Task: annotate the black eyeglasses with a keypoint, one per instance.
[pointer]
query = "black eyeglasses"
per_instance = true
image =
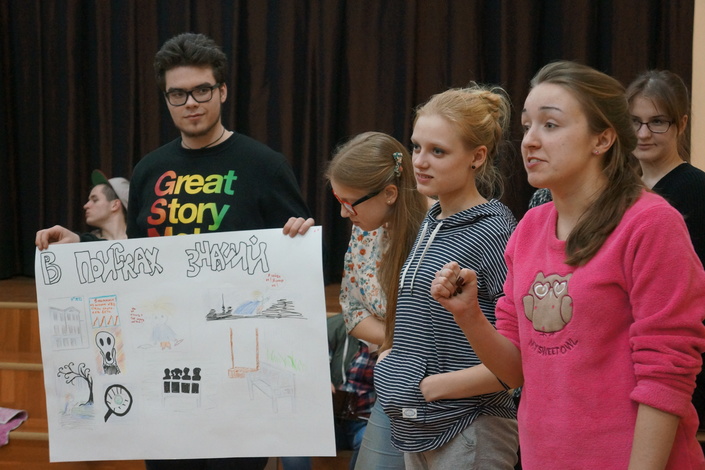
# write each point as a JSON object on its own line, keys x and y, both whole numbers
{"x": 351, "y": 207}
{"x": 200, "y": 94}
{"x": 657, "y": 126}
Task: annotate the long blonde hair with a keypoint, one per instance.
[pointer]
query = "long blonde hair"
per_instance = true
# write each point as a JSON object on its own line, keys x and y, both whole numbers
{"x": 480, "y": 114}
{"x": 367, "y": 162}
{"x": 605, "y": 106}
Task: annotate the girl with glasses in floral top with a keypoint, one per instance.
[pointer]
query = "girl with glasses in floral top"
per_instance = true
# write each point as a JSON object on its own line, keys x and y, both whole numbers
{"x": 372, "y": 177}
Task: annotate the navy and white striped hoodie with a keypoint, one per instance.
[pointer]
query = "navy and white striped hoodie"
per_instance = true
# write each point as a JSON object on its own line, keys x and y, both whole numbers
{"x": 427, "y": 340}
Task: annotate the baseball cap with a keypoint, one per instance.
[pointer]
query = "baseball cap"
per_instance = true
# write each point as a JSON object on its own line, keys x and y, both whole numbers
{"x": 121, "y": 186}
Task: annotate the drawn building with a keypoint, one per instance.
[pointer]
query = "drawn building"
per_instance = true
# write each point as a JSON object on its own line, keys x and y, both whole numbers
{"x": 67, "y": 328}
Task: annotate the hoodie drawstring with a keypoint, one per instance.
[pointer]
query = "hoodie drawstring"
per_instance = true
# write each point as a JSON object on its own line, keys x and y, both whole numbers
{"x": 423, "y": 254}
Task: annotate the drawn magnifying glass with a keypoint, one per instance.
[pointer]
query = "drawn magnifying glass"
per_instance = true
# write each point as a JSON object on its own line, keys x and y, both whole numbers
{"x": 118, "y": 399}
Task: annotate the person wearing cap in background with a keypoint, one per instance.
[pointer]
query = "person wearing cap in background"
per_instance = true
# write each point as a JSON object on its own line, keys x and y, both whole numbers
{"x": 106, "y": 208}
{"x": 106, "y": 211}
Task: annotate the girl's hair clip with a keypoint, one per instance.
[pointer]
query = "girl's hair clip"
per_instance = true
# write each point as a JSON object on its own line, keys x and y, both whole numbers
{"x": 397, "y": 164}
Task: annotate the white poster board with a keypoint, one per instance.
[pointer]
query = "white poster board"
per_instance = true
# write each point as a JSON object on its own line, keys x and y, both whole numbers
{"x": 196, "y": 346}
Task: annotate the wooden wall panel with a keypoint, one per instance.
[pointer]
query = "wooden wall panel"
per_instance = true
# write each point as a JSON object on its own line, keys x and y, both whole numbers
{"x": 19, "y": 335}
{"x": 34, "y": 455}
{"x": 24, "y": 390}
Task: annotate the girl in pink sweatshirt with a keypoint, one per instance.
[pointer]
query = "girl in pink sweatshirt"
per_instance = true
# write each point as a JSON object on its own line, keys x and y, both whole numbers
{"x": 604, "y": 299}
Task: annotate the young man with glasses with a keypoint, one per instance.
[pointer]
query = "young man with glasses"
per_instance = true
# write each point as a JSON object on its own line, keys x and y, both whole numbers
{"x": 210, "y": 179}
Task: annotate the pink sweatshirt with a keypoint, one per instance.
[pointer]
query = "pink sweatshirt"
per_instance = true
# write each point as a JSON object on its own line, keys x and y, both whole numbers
{"x": 598, "y": 340}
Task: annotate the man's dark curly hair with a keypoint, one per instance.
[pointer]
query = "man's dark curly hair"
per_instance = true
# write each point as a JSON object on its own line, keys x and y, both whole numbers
{"x": 190, "y": 49}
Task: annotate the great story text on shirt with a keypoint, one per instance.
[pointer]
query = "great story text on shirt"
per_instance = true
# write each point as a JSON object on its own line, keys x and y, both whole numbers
{"x": 173, "y": 212}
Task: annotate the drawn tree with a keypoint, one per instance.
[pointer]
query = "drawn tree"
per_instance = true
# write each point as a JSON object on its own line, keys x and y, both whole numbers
{"x": 82, "y": 372}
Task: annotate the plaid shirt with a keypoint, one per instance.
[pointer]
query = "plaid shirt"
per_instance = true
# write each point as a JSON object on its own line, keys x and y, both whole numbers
{"x": 360, "y": 382}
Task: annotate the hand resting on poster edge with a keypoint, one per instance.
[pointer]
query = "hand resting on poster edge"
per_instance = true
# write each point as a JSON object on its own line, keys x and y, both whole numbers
{"x": 297, "y": 226}
{"x": 55, "y": 234}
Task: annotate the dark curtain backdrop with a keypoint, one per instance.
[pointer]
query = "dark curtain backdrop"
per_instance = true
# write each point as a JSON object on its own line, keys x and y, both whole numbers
{"x": 77, "y": 90}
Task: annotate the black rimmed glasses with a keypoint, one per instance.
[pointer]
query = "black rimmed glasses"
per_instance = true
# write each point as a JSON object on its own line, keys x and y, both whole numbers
{"x": 657, "y": 126}
{"x": 200, "y": 94}
{"x": 350, "y": 207}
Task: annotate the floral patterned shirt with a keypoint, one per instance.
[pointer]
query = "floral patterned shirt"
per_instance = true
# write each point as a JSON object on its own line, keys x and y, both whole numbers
{"x": 360, "y": 292}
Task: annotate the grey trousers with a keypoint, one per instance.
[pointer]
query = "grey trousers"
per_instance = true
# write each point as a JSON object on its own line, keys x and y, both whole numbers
{"x": 489, "y": 443}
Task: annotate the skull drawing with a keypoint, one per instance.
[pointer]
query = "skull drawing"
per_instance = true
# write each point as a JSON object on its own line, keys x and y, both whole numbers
{"x": 106, "y": 344}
